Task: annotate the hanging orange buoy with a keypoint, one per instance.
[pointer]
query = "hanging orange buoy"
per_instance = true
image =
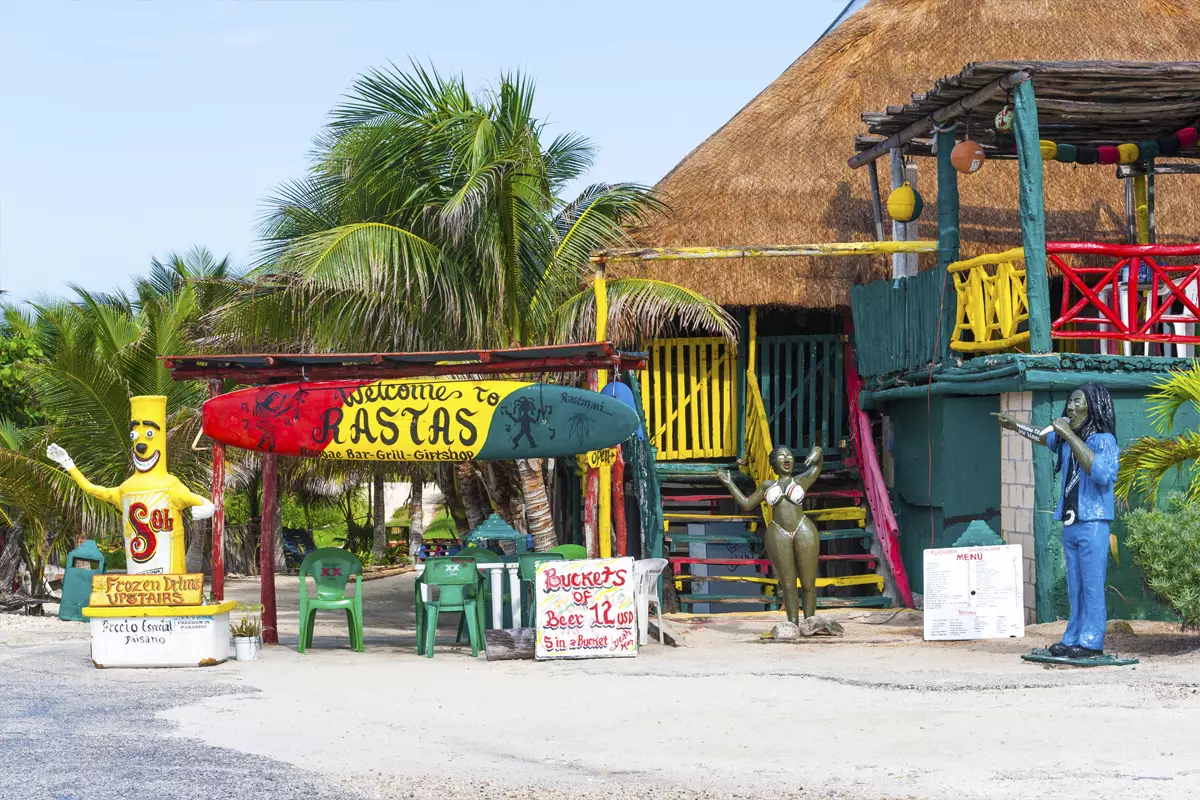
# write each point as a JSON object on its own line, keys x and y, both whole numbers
{"x": 967, "y": 156}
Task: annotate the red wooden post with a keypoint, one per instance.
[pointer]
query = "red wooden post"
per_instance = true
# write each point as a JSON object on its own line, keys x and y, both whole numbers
{"x": 218, "y": 517}
{"x": 886, "y": 529}
{"x": 591, "y": 500}
{"x": 618, "y": 499}
{"x": 266, "y": 545}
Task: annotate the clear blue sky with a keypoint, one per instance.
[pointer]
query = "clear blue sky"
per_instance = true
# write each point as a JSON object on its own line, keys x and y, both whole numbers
{"x": 128, "y": 130}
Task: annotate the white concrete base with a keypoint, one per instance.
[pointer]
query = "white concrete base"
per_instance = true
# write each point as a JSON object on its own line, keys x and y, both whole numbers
{"x": 160, "y": 641}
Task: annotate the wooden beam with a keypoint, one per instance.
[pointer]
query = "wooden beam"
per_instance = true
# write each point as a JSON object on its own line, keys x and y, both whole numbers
{"x": 764, "y": 251}
{"x": 876, "y": 200}
{"x": 940, "y": 117}
{"x": 1134, "y": 170}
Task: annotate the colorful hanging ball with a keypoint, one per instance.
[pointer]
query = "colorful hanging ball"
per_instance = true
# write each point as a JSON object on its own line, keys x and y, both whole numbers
{"x": 1108, "y": 154}
{"x": 1087, "y": 155}
{"x": 905, "y": 204}
{"x": 1168, "y": 145}
{"x": 967, "y": 156}
{"x": 1188, "y": 138}
{"x": 1004, "y": 119}
{"x": 1128, "y": 153}
{"x": 1148, "y": 149}
{"x": 1067, "y": 153}
{"x": 1049, "y": 149}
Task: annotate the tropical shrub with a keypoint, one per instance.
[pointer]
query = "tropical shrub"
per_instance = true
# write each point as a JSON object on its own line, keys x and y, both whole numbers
{"x": 1166, "y": 547}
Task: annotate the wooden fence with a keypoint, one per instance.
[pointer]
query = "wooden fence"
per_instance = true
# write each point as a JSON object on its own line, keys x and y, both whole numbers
{"x": 896, "y": 322}
{"x": 689, "y": 394}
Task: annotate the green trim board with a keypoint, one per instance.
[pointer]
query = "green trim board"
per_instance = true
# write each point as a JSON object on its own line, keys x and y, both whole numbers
{"x": 1043, "y": 513}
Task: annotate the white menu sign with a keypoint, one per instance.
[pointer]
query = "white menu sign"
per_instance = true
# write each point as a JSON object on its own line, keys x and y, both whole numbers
{"x": 974, "y": 593}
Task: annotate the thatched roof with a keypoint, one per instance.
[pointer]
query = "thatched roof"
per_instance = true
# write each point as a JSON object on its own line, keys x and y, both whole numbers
{"x": 776, "y": 173}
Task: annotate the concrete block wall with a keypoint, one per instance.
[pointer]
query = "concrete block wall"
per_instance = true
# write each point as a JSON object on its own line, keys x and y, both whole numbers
{"x": 1016, "y": 475}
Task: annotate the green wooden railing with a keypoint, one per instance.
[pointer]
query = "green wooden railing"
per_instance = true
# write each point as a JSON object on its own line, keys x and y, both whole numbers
{"x": 803, "y": 390}
{"x": 896, "y": 322}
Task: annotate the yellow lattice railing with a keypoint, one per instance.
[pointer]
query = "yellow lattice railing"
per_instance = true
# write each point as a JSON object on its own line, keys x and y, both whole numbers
{"x": 758, "y": 440}
{"x": 689, "y": 393}
{"x": 992, "y": 302}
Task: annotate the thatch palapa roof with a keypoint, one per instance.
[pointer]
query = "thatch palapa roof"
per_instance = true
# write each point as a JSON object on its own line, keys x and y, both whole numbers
{"x": 776, "y": 173}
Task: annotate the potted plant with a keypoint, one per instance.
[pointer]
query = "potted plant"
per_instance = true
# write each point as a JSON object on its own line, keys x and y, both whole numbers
{"x": 247, "y": 631}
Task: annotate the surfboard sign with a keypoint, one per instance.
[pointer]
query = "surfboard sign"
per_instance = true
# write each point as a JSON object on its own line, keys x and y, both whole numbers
{"x": 418, "y": 420}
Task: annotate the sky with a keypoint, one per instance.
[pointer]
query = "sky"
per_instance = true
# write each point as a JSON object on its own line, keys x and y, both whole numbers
{"x": 131, "y": 130}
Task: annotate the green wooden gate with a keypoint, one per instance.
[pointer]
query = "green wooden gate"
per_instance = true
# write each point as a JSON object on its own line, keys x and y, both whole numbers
{"x": 804, "y": 390}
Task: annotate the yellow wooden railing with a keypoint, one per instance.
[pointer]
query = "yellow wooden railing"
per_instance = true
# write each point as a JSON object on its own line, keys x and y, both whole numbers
{"x": 689, "y": 393}
{"x": 992, "y": 302}
{"x": 758, "y": 440}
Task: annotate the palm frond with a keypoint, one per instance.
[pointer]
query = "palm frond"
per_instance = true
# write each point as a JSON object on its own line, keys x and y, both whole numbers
{"x": 1171, "y": 394}
{"x": 640, "y": 308}
{"x": 1147, "y": 461}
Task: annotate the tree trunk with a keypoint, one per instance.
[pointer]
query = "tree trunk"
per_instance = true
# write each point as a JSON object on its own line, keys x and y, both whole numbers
{"x": 416, "y": 518}
{"x": 454, "y": 503}
{"x": 537, "y": 504}
{"x": 379, "y": 532}
{"x": 10, "y": 557}
{"x": 470, "y": 492}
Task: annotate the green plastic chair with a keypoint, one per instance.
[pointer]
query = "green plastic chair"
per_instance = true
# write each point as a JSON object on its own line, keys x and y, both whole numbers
{"x": 457, "y": 581}
{"x": 571, "y": 552}
{"x": 331, "y": 568}
{"x": 527, "y": 572}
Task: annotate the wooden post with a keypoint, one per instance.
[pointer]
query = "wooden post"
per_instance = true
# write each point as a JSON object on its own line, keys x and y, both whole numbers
{"x": 1130, "y": 214}
{"x": 218, "y": 499}
{"x": 591, "y": 492}
{"x": 947, "y": 201}
{"x": 618, "y": 499}
{"x": 1141, "y": 206}
{"x": 876, "y": 201}
{"x": 1043, "y": 511}
{"x": 1033, "y": 216}
{"x": 604, "y": 478}
{"x": 899, "y": 229}
{"x": 266, "y": 545}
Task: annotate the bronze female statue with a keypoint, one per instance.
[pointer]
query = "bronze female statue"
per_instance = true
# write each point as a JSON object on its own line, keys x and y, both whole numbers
{"x": 793, "y": 541}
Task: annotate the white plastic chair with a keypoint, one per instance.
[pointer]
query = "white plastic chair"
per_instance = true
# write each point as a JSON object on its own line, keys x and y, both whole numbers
{"x": 646, "y": 572}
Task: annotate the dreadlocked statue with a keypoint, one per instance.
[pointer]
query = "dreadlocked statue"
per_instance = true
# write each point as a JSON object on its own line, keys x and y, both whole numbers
{"x": 1084, "y": 440}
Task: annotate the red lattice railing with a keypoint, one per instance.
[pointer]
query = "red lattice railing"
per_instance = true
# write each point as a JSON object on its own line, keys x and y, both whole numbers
{"x": 1138, "y": 298}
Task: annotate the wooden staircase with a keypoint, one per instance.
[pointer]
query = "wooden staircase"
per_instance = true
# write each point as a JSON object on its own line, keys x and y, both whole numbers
{"x": 700, "y": 518}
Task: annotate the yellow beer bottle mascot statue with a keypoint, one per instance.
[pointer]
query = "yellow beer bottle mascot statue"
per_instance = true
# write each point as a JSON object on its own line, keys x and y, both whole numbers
{"x": 150, "y": 500}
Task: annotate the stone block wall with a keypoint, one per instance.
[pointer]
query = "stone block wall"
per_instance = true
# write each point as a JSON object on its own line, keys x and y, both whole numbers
{"x": 1016, "y": 474}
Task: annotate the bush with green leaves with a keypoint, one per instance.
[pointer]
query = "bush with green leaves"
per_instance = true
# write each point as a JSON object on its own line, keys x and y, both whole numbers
{"x": 1166, "y": 547}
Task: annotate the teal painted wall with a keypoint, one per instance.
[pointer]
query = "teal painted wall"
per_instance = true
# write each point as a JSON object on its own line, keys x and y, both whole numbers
{"x": 1128, "y": 597}
{"x": 961, "y": 434}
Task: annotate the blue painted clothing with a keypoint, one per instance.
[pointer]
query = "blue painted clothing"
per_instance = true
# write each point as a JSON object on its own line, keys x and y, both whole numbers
{"x": 1096, "y": 488}
{"x": 1085, "y": 554}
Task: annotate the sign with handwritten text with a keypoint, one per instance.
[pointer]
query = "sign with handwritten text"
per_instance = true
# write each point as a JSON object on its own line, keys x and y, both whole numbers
{"x": 974, "y": 593}
{"x": 146, "y": 590}
{"x": 585, "y": 609}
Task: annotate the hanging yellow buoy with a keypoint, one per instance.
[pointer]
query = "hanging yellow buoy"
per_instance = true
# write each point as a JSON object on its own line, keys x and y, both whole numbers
{"x": 904, "y": 204}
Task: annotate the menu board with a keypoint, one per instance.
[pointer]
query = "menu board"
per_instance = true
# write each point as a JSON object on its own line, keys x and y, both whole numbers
{"x": 974, "y": 593}
{"x": 585, "y": 609}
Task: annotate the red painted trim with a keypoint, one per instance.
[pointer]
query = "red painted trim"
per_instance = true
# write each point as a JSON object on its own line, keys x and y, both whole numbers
{"x": 591, "y": 500}
{"x": 1124, "y": 250}
{"x": 886, "y": 529}
{"x": 266, "y": 545}
{"x": 618, "y": 501}
{"x": 218, "y": 517}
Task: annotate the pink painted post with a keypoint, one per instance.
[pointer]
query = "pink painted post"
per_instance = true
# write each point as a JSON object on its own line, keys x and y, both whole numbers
{"x": 877, "y": 497}
{"x": 218, "y": 517}
{"x": 266, "y": 545}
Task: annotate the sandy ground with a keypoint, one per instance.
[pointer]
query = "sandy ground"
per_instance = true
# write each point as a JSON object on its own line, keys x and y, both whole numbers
{"x": 877, "y": 714}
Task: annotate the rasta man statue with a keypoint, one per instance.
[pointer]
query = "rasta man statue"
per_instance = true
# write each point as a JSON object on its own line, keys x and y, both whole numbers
{"x": 793, "y": 542}
{"x": 1084, "y": 441}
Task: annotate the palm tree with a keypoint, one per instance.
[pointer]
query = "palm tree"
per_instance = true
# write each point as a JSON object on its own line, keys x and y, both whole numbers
{"x": 432, "y": 219}
{"x": 1149, "y": 458}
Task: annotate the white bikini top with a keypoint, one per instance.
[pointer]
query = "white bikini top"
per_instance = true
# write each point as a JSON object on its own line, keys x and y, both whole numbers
{"x": 795, "y": 494}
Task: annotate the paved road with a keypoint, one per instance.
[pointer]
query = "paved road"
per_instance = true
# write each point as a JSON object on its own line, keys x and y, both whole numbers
{"x": 72, "y": 732}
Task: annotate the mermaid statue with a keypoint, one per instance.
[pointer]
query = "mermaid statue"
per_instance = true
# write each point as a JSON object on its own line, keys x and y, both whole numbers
{"x": 793, "y": 541}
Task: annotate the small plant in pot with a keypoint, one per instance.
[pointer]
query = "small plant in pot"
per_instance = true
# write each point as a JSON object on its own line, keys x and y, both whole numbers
{"x": 247, "y": 631}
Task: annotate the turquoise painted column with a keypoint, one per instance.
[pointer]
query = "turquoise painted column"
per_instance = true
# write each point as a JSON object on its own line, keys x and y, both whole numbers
{"x": 1033, "y": 216}
{"x": 947, "y": 201}
{"x": 948, "y": 237}
{"x": 1044, "y": 503}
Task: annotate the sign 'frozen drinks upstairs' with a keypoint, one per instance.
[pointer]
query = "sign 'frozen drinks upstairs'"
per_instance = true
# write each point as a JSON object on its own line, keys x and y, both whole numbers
{"x": 419, "y": 420}
{"x": 586, "y": 609}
